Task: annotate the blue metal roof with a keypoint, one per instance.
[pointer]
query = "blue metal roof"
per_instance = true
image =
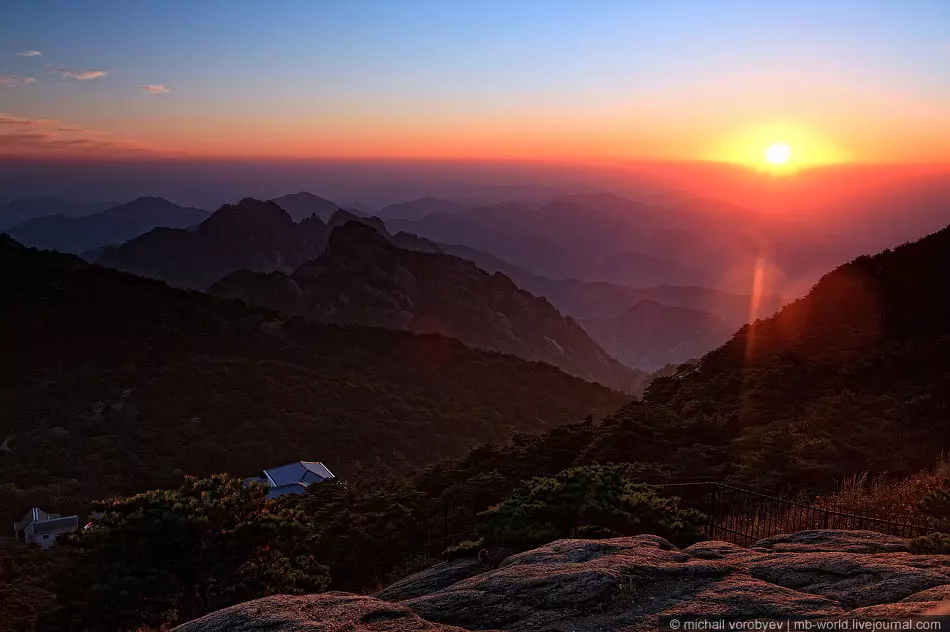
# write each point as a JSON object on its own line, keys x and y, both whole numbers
{"x": 305, "y": 472}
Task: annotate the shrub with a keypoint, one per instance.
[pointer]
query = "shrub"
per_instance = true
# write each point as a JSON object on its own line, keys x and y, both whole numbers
{"x": 171, "y": 555}
{"x": 899, "y": 499}
{"x": 468, "y": 548}
{"x": 591, "y": 502}
{"x": 935, "y": 543}
{"x": 937, "y": 504}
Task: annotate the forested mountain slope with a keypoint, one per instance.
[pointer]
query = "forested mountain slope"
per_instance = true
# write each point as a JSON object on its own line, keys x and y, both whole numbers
{"x": 363, "y": 278}
{"x": 112, "y": 383}
{"x": 853, "y": 377}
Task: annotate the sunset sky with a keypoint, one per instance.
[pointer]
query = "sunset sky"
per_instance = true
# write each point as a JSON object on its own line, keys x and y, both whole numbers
{"x": 837, "y": 80}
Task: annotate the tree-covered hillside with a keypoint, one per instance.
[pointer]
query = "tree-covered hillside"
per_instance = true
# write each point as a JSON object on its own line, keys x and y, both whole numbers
{"x": 112, "y": 383}
{"x": 364, "y": 278}
{"x": 853, "y": 377}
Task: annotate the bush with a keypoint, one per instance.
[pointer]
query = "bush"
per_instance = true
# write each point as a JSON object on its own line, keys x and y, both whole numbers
{"x": 589, "y": 502}
{"x": 937, "y": 503}
{"x": 935, "y": 543}
{"x": 172, "y": 555}
{"x": 468, "y": 548}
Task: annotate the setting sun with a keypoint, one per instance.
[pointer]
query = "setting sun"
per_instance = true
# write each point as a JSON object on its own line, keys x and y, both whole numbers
{"x": 778, "y": 153}
{"x": 769, "y": 147}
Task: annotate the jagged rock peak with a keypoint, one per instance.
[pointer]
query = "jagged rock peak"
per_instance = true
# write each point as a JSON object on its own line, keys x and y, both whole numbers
{"x": 356, "y": 235}
{"x": 251, "y": 210}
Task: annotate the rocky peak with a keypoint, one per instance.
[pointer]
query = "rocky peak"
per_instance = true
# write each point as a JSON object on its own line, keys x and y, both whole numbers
{"x": 247, "y": 215}
{"x": 341, "y": 217}
{"x": 356, "y": 237}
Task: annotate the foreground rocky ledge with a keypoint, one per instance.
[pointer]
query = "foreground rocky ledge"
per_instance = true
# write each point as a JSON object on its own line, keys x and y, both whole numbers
{"x": 634, "y": 583}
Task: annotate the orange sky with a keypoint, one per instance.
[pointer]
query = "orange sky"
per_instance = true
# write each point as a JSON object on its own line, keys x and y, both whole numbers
{"x": 556, "y": 80}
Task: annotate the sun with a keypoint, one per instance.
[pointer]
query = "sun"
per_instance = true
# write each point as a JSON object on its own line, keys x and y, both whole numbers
{"x": 778, "y": 153}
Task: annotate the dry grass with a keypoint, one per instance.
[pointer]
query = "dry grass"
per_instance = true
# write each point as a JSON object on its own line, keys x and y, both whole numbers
{"x": 893, "y": 499}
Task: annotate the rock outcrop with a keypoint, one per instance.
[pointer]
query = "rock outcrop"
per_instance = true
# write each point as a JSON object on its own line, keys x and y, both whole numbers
{"x": 632, "y": 583}
{"x": 327, "y": 612}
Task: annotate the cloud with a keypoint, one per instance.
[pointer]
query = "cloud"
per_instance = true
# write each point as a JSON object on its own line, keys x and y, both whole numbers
{"x": 13, "y": 81}
{"x": 21, "y": 136}
{"x": 81, "y": 75}
{"x": 29, "y": 53}
{"x": 7, "y": 119}
{"x": 156, "y": 89}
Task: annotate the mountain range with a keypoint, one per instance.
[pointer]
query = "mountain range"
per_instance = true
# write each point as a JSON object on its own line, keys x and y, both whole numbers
{"x": 263, "y": 237}
{"x": 19, "y": 211}
{"x": 602, "y": 237}
{"x": 852, "y": 378}
{"x": 113, "y": 383}
{"x": 421, "y": 208}
{"x": 113, "y": 225}
{"x": 303, "y": 205}
{"x": 363, "y": 278}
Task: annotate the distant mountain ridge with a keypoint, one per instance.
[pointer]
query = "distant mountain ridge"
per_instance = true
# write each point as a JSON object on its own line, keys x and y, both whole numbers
{"x": 303, "y": 205}
{"x": 421, "y": 208}
{"x": 252, "y": 234}
{"x": 650, "y": 336}
{"x": 601, "y": 237}
{"x": 593, "y": 300}
{"x": 363, "y": 278}
{"x": 18, "y": 211}
{"x": 113, "y": 225}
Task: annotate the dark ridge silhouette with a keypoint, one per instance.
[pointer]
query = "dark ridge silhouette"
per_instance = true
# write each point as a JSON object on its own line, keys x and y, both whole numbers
{"x": 19, "y": 211}
{"x": 302, "y": 205}
{"x": 114, "y": 225}
{"x": 363, "y": 278}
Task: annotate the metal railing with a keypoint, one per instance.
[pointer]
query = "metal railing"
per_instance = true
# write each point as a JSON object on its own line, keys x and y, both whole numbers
{"x": 744, "y": 516}
{"x": 734, "y": 514}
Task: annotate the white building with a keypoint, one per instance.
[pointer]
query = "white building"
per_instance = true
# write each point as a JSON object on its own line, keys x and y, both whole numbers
{"x": 293, "y": 478}
{"x": 42, "y": 528}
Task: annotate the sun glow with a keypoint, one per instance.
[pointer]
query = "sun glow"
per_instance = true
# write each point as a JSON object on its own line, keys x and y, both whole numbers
{"x": 778, "y": 153}
{"x": 777, "y": 140}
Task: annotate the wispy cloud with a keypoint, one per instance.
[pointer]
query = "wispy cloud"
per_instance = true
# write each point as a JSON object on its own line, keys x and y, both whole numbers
{"x": 13, "y": 81}
{"x": 156, "y": 89}
{"x": 29, "y": 53}
{"x": 21, "y": 136}
{"x": 81, "y": 75}
{"x": 7, "y": 119}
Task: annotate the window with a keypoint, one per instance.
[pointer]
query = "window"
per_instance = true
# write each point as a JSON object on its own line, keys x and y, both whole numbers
{"x": 46, "y": 537}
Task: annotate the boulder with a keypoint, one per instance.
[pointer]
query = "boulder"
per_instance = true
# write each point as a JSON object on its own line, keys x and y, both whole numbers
{"x": 853, "y": 579}
{"x": 834, "y": 540}
{"x": 432, "y": 579}
{"x": 629, "y": 584}
{"x": 327, "y": 612}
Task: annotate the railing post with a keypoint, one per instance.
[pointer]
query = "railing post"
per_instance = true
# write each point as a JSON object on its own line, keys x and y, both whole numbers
{"x": 712, "y": 512}
{"x": 445, "y": 527}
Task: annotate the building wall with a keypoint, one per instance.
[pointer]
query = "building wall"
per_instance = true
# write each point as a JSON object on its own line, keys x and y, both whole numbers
{"x": 47, "y": 539}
